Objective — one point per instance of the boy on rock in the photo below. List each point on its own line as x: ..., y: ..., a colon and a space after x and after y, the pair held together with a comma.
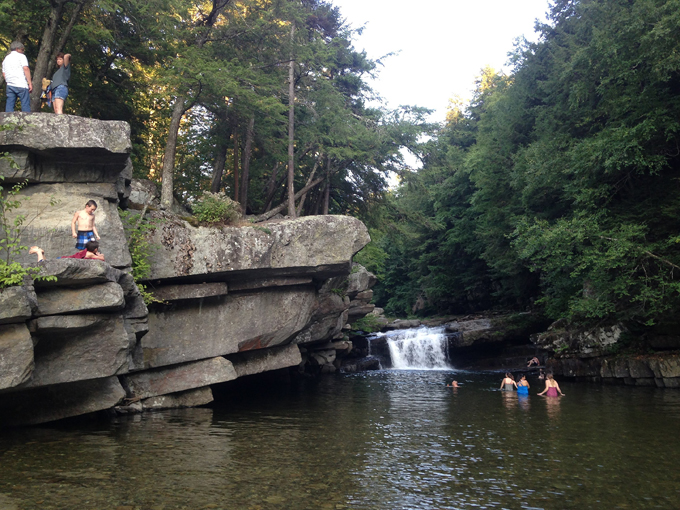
x: 86, y: 229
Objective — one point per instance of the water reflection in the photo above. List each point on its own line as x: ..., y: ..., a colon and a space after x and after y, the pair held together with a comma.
x: 524, y: 402
x: 552, y: 405
x: 388, y: 440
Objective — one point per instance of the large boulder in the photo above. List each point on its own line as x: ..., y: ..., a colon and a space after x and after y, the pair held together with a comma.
x: 313, y: 245
x: 193, y: 330
x: 16, y: 304
x: 98, y: 298
x: 51, y: 403
x: 97, y: 352
x: 67, y: 137
x: 16, y: 355
x: 162, y: 381
x: 265, y: 360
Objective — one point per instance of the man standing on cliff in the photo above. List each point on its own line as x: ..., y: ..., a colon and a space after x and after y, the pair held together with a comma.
x: 18, y: 78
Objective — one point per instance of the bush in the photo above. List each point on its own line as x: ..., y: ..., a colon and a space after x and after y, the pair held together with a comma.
x: 216, y: 208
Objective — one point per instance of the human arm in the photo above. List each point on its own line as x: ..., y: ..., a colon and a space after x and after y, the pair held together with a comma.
x: 546, y: 388
x: 96, y: 256
x: 557, y: 387
x: 27, y: 74
x: 67, y: 60
x: 73, y: 225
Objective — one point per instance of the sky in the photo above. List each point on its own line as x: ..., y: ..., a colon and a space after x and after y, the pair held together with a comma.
x: 442, y: 44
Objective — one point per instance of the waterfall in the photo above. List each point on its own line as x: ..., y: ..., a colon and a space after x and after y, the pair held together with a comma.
x: 418, y: 349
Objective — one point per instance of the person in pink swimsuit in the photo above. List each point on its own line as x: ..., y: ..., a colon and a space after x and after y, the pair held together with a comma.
x: 552, y: 389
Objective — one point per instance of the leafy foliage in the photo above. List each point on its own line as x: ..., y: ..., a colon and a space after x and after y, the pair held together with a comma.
x: 137, y: 229
x: 11, y: 272
x: 216, y: 208
x: 555, y: 187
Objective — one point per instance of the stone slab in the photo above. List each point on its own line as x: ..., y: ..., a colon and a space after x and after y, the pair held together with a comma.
x: 60, y: 324
x: 191, y: 330
x: 266, y: 360
x: 77, y: 273
x: 68, y: 137
x: 58, y: 300
x: 267, y: 282
x: 190, y: 291
x: 40, y: 169
x: 98, y: 352
x: 359, y: 280
x: 173, y: 379
x: 312, y: 245
x: 52, y: 403
x: 49, y: 209
x: 16, y: 304
x: 190, y: 398
x: 16, y: 355
x: 669, y: 367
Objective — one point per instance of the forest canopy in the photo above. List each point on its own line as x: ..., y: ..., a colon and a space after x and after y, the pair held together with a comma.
x: 266, y: 100
x: 556, y: 188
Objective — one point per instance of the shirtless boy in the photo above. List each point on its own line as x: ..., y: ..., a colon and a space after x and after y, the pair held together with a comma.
x: 86, y: 229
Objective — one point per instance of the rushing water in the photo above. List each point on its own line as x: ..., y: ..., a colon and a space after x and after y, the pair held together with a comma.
x: 418, y: 348
x: 379, y: 440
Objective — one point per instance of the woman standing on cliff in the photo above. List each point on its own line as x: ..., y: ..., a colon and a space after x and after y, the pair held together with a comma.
x: 551, y: 387
x: 59, y: 85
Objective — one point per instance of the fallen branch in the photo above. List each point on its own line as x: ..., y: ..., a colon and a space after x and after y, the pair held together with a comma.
x: 281, y: 207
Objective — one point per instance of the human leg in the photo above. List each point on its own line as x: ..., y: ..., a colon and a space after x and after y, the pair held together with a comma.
x: 38, y: 251
x: 59, y: 96
x: 11, y: 99
x: 25, y: 99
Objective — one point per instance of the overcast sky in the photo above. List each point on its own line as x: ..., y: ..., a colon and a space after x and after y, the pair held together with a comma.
x: 441, y: 44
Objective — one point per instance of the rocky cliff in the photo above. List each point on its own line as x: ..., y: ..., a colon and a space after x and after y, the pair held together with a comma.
x: 237, y: 301
x: 613, y: 354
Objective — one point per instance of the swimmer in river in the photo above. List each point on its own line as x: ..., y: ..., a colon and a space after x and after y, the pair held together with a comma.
x: 454, y: 384
x: 508, y: 383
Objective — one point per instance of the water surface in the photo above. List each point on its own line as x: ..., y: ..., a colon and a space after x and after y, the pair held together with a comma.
x: 379, y: 440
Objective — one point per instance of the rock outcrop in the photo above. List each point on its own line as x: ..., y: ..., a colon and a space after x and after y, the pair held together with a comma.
x: 610, y: 354
x: 236, y: 301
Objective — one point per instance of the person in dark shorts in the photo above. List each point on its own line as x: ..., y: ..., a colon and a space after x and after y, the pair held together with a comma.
x: 86, y: 229
x: 59, y: 85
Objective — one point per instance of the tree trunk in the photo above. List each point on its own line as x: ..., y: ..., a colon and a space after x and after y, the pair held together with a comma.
x: 236, y: 183
x: 46, y: 43
x: 167, y: 177
x: 218, y: 170
x: 291, y: 129
x: 304, y: 196
x: 271, y: 183
x: 52, y: 62
x: 270, y: 198
x: 327, y: 196
x: 245, y: 174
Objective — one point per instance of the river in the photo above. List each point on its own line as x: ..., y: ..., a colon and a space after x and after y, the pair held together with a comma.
x: 392, y: 439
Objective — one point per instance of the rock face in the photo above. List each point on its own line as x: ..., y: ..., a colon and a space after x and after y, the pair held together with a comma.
x: 16, y: 355
x: 320, y: 246
x: 599, y: 354
x: 237, y: 301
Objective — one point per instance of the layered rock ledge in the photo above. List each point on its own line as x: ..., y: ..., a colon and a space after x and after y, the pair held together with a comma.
x: 237, y: 301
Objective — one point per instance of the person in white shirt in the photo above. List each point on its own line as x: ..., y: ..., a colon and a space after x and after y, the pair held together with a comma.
x: 17, y: 75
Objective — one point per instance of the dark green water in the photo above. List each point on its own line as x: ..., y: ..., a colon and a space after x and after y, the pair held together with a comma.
x: 382, y: 440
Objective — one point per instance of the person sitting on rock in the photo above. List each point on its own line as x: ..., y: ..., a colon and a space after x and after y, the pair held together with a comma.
x: 91, y: 252
x: 533, y: 361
